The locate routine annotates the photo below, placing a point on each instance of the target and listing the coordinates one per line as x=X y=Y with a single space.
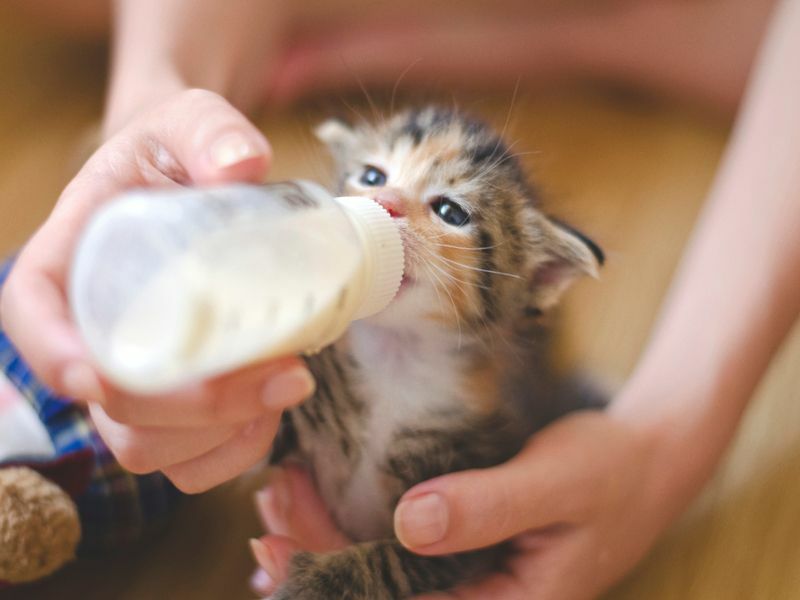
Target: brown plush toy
x=39 y=526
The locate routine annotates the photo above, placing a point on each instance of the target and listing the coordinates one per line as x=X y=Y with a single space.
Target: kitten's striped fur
x=453 y=374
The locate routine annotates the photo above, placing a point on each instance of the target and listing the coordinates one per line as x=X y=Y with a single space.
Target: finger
x=273 y=553
x=291 y=506
x=34 y=314
x=201 y=132
x=144 y=450
x=551 y=481
x=225 y=462
x=61 y=363
x=33 y=306
x=262 y=584
x=233 y=398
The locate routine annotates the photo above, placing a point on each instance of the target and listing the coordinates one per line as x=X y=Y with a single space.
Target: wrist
x=684 y=427
x=161 y=48
x=130 y=94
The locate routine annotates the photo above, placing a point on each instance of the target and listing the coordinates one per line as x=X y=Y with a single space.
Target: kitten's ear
x=568 y=255
x=337 y=135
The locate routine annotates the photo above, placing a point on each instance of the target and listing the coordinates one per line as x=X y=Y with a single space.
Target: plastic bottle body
x=171 y=287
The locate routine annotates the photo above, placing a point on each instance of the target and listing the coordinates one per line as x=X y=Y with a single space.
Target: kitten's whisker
x=377 y=116
x=507 y=155
x=437 y=236
x=455 y=308
x=456 y=279
x=353 y=109
x=492 y=331
x=510 y=109
x=432 y=257
x=471 y=268
x=524 y=153
x=502 y=158
x=470 y=248
x=435 y=287
x=474 y=305
x=397 y=83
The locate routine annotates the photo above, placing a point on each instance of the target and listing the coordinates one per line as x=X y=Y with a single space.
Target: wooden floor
x=630 y=173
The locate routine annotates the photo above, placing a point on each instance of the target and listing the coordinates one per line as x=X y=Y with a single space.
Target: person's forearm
x=737 y=292
x=164 y=46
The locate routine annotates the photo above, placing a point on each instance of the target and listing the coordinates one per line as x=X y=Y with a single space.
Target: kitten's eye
x=373 y=177
x=450 y=212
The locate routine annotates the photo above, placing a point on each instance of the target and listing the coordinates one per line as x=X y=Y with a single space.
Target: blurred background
x=629 y=171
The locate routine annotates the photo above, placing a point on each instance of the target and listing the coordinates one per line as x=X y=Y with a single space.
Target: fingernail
x=280 y=494
x=260 y=582
x=263 y=500
x=288 y=388
x=233 y=148
x=265 y=557
x=268 y=505
x=81 y=383
x=421 y=521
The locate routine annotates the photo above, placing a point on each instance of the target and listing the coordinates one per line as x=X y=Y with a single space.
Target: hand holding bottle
x=207 y=432
x=174 y=286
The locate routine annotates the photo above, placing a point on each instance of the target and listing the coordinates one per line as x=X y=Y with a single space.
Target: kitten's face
x=477 y=250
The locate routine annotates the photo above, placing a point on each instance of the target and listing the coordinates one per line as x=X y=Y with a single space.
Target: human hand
x=296 y=518
x=581 y=503
x=205 y=433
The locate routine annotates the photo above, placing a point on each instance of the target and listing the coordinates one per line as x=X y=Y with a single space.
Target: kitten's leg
x=381 y=570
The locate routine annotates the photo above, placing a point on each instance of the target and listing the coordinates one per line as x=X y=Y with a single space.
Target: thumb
x=551 y=481
x=210 y=139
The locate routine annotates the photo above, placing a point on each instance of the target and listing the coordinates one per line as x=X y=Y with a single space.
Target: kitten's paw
x=326 y=577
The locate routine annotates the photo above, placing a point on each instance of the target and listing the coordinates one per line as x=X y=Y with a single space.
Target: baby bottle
x=173 y=286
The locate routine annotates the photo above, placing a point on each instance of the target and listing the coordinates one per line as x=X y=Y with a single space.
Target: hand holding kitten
x=579 y=501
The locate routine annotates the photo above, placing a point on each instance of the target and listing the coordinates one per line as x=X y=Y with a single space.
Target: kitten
x=453 y=374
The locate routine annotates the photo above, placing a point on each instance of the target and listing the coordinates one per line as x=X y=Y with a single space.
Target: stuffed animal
x=62 y=493
x=39 y=526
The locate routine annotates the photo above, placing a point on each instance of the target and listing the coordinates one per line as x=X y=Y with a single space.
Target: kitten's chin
x=415 y=308
x=405 y=284
x=405 y=310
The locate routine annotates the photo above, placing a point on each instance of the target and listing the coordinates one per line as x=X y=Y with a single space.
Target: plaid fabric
x=117 y=507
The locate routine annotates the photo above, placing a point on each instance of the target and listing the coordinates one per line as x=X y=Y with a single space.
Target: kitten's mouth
x=406 y=282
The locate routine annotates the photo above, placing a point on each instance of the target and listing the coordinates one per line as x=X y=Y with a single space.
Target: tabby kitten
x=453 y=374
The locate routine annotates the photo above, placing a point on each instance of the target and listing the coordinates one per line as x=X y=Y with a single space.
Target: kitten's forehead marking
x=434 y=161
x=433 y=152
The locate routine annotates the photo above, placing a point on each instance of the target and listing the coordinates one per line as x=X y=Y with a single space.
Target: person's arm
x=161 y=47
x=737 y=292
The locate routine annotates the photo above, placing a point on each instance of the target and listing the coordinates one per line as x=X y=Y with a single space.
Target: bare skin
x=609 y=509
x=697 y=51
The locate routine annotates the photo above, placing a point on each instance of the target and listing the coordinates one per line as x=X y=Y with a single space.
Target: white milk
x=173 y=286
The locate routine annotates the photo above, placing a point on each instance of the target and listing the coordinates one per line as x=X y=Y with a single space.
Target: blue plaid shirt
x=117 y=507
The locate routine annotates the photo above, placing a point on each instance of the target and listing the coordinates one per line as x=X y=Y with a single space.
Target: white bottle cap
x=383 y=252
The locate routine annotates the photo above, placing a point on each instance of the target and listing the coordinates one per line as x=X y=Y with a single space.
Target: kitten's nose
x=392 y=201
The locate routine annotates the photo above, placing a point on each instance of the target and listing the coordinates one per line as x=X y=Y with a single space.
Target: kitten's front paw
x=307 y=580
x=325 y=577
